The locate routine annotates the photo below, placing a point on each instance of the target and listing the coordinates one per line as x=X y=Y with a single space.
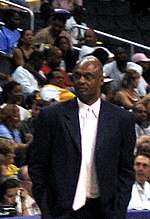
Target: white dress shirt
x=140 y=197
x=87 y=186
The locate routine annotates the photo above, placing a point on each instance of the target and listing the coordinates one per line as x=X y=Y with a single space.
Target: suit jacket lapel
x=103 y=126
x=72 y=122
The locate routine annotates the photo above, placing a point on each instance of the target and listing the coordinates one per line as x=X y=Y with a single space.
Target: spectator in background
x=28 y=125
x=117 y=68
x=9 y=189
x=90 y=44
x=7 y=149
x=9 y=35
x=142 y=133
x=25 y=47
x=79 y=17
x=127 y=95
x=140 y=197
x=28 y=75
x=46 y=14
x=10 y=123
x=53 y=60
x=12 y=94
x=49 y=34
x=144 y=61
x=25 y=185
x=55 y=88
x=68 y=56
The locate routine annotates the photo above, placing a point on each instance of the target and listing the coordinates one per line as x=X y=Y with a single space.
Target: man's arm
x=39 y=155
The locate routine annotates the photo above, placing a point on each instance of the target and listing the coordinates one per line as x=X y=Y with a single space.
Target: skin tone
x=58 y=79
x=88 y=80
x=90 y=37
x=64 y=44
x=57 y=27
x=10 y=196
x=27 y=41
x=142 y=168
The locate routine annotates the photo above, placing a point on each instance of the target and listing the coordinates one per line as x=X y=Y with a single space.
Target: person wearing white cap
x=142 y=60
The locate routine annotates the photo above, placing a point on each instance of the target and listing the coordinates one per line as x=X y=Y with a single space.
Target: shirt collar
x=95 y=107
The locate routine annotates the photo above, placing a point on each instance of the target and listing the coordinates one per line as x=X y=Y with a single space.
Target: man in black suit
x=81 y=159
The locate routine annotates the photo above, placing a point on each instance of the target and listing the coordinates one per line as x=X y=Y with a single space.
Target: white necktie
x=81 y=192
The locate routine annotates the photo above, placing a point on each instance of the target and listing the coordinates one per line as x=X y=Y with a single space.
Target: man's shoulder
x=115 y=110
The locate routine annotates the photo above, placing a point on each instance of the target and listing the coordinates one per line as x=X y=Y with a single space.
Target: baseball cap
x=140 y=57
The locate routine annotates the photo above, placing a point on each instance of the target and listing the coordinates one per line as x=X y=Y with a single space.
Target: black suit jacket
x=55 y=158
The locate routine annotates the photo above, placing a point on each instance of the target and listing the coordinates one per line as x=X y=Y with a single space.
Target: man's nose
x=81 y=79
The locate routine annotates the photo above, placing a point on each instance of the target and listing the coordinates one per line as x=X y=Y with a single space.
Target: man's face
x=140 y=114
x=88 y=80
x=121 y=55
x=142 y=168
x=90 y=38
x=57 y=27
x=55 y=60
x=15 y=21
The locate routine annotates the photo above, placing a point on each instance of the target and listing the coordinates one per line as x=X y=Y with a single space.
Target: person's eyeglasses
x=87 y=76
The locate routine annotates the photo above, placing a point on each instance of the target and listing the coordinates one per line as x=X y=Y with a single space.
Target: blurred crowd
x=36 y=70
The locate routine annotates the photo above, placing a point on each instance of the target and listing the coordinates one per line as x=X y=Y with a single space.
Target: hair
x=134 y=108
x=9 y=14
x=143 y=153
x=129 y=76
x=46 y=10
x=35 y=56
x=7 y=90
x=101 y=55
x=59 y=16
x=40 y=103
x=7 y=113
x=6 y=146
x=58 y=39
x=7 y=183
x=22 y=33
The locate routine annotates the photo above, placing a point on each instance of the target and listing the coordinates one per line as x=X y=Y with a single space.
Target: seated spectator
x=28 y=75
x=90 y=44
x=49 y=34
x=9 y=35
x=25 y=185
x=10 y=123
x=116 y=70
x=9 y=189
x=25 y=47
x=7 y=149
x=53 y=58
x=55 y=88
x=46 y=14
x=142 y=60
x=142 y=133
x=28 y=125
x=79 y=16
x=140 y=197
x=12 y=94
x=127 y=96
x=68 y=56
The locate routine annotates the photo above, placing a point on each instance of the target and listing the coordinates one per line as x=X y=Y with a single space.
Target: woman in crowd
x=25 y=48
x=128 y=96
x=68 y=57
x=7 y=149
x=10 y=123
